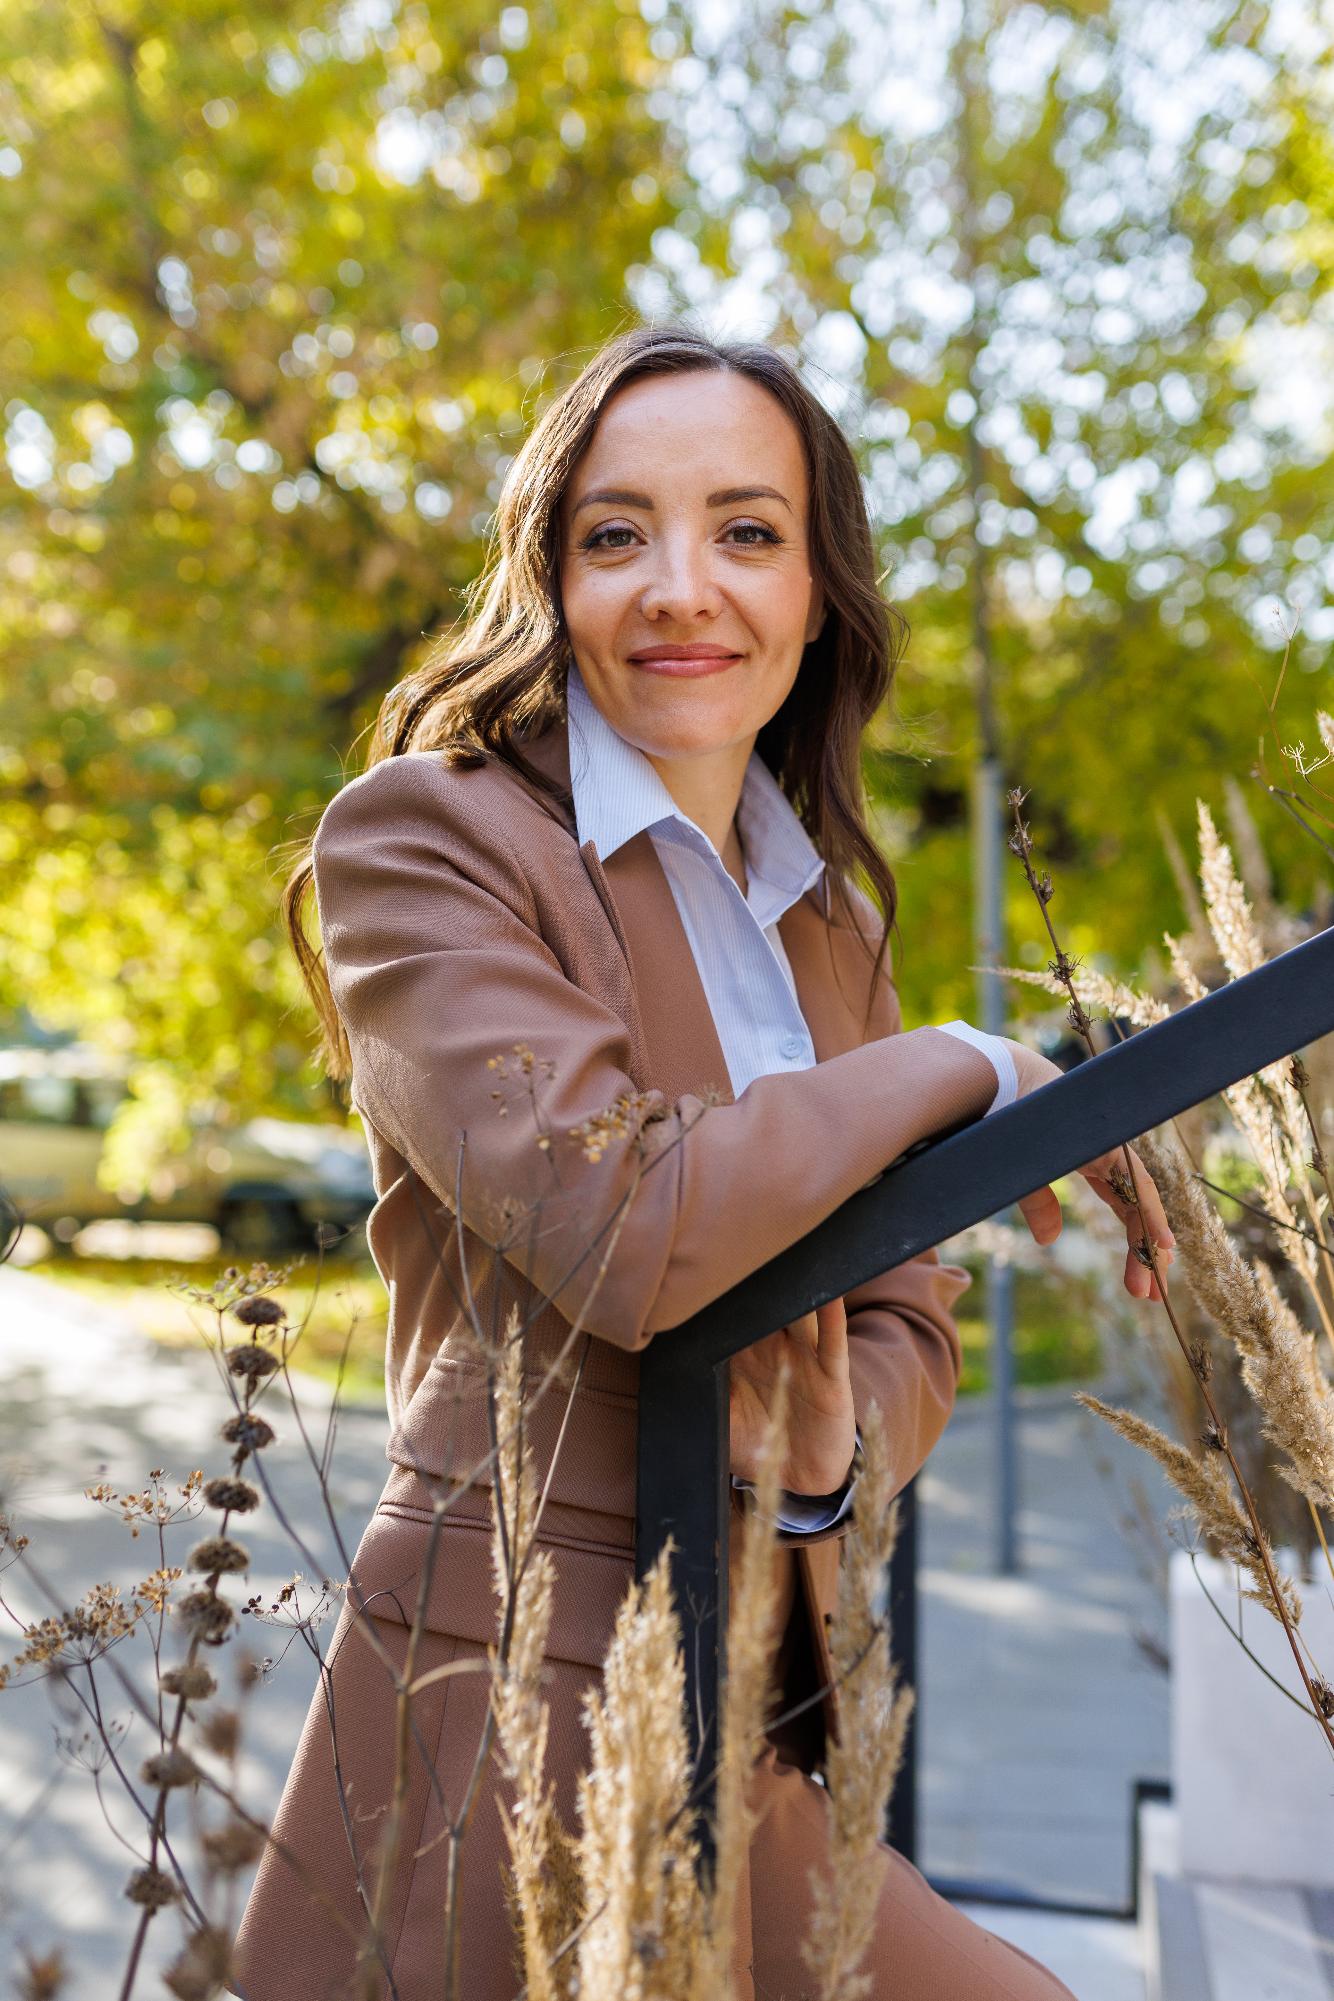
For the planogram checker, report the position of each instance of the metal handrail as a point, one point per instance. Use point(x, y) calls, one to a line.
point(932, 1191)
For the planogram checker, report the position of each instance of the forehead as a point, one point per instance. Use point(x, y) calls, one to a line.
point(704, 427)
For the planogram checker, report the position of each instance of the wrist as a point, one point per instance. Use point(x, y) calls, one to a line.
point(808, 1481)
point(997, 1050)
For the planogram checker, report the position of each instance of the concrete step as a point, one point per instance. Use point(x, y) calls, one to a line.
point(1216, 1939)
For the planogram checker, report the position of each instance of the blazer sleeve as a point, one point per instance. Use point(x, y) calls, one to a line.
point(437, 964)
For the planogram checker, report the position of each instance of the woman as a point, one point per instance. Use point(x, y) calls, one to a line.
point(608, 836)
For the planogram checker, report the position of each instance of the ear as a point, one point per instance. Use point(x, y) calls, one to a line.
point(815, 621)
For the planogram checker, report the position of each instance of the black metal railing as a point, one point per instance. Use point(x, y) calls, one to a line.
point(935, 1189)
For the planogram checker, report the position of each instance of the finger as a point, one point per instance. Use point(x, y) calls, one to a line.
point(832, 1321)
point(1137, 1277)
point(1099, 1174)
point(1150, 1201)
point(805, 1329)
point(1042, 1212)
point(1140, 1281)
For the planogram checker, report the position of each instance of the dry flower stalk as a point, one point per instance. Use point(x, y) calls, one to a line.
point(1279, 1364)
point(543, 1887)
point(746, 1696)
point(1095, 989)
point(637, 1856)
point(864, 1759)
point(1208, 1491)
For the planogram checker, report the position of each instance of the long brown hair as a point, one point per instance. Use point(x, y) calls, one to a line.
point(500, 674)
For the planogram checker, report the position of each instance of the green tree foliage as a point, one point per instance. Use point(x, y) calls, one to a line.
point(281, 283)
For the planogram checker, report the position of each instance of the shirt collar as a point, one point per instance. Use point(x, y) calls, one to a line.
point(617, 793)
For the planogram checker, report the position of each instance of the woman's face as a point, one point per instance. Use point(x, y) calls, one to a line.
point(684, 546)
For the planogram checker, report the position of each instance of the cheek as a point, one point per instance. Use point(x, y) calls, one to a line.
point(592, 603)
point(777, 602)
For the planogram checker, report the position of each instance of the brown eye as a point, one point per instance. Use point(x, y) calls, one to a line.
point(598, 538)
point(766, 534)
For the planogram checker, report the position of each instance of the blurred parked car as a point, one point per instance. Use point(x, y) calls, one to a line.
point(266, 1185)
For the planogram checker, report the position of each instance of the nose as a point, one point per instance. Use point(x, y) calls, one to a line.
point(680, 585)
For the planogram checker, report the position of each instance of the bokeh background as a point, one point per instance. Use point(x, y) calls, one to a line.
point(284, 284)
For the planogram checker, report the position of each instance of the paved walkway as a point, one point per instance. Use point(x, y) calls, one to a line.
point(1037, 1709)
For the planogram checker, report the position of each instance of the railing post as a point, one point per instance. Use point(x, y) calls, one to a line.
point(684, 1492)
point(901, 1821)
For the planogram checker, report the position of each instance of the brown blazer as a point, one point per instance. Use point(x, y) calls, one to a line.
point(460, 917)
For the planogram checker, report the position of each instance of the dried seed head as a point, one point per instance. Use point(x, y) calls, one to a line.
point(1121, 1185)
point(1142, 1251)
point(218, 1553)
point(152, 1888)
point(222, 1732)
point(43, 1975)
point(166, 1769)
point(1201, 1360)
point(1212, 1439)
point(1324, 1696)
point(208, 1617)
point(232, 1848)
point(191, 1680)
point(252, 1361)
point(248, 1430)
point(236, 1495)
point(200, 1970)
point(261, 1311)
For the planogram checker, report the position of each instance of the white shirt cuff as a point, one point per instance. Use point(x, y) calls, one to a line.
point(805, 1514)
point(1002, 1062)
point(801, 1514)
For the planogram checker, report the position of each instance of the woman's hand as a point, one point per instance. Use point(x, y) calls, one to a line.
point(822, 1424)
point(1042, 1211)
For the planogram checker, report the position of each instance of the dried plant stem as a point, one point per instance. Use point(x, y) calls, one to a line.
point(1315, 1517)
point(1249, 1652)
point(865, 1755)
point(636, 1851)
point(500, 1436)
point(745, 1697)
point(1021, 845)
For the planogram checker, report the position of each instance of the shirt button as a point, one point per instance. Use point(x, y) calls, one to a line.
point(792, 1045)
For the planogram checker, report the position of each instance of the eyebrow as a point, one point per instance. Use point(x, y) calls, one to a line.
point(622, 496)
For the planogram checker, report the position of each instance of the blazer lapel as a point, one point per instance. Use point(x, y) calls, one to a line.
point(680, 1049)
point(831, 971)
point(684, 1052)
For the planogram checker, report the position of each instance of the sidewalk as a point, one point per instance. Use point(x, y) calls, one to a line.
point(1036, 1709)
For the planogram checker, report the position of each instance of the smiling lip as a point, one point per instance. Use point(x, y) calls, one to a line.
point(683, 661)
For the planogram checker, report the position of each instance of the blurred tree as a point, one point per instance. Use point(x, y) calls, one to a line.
point(1068, 270)
point(280, 285)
